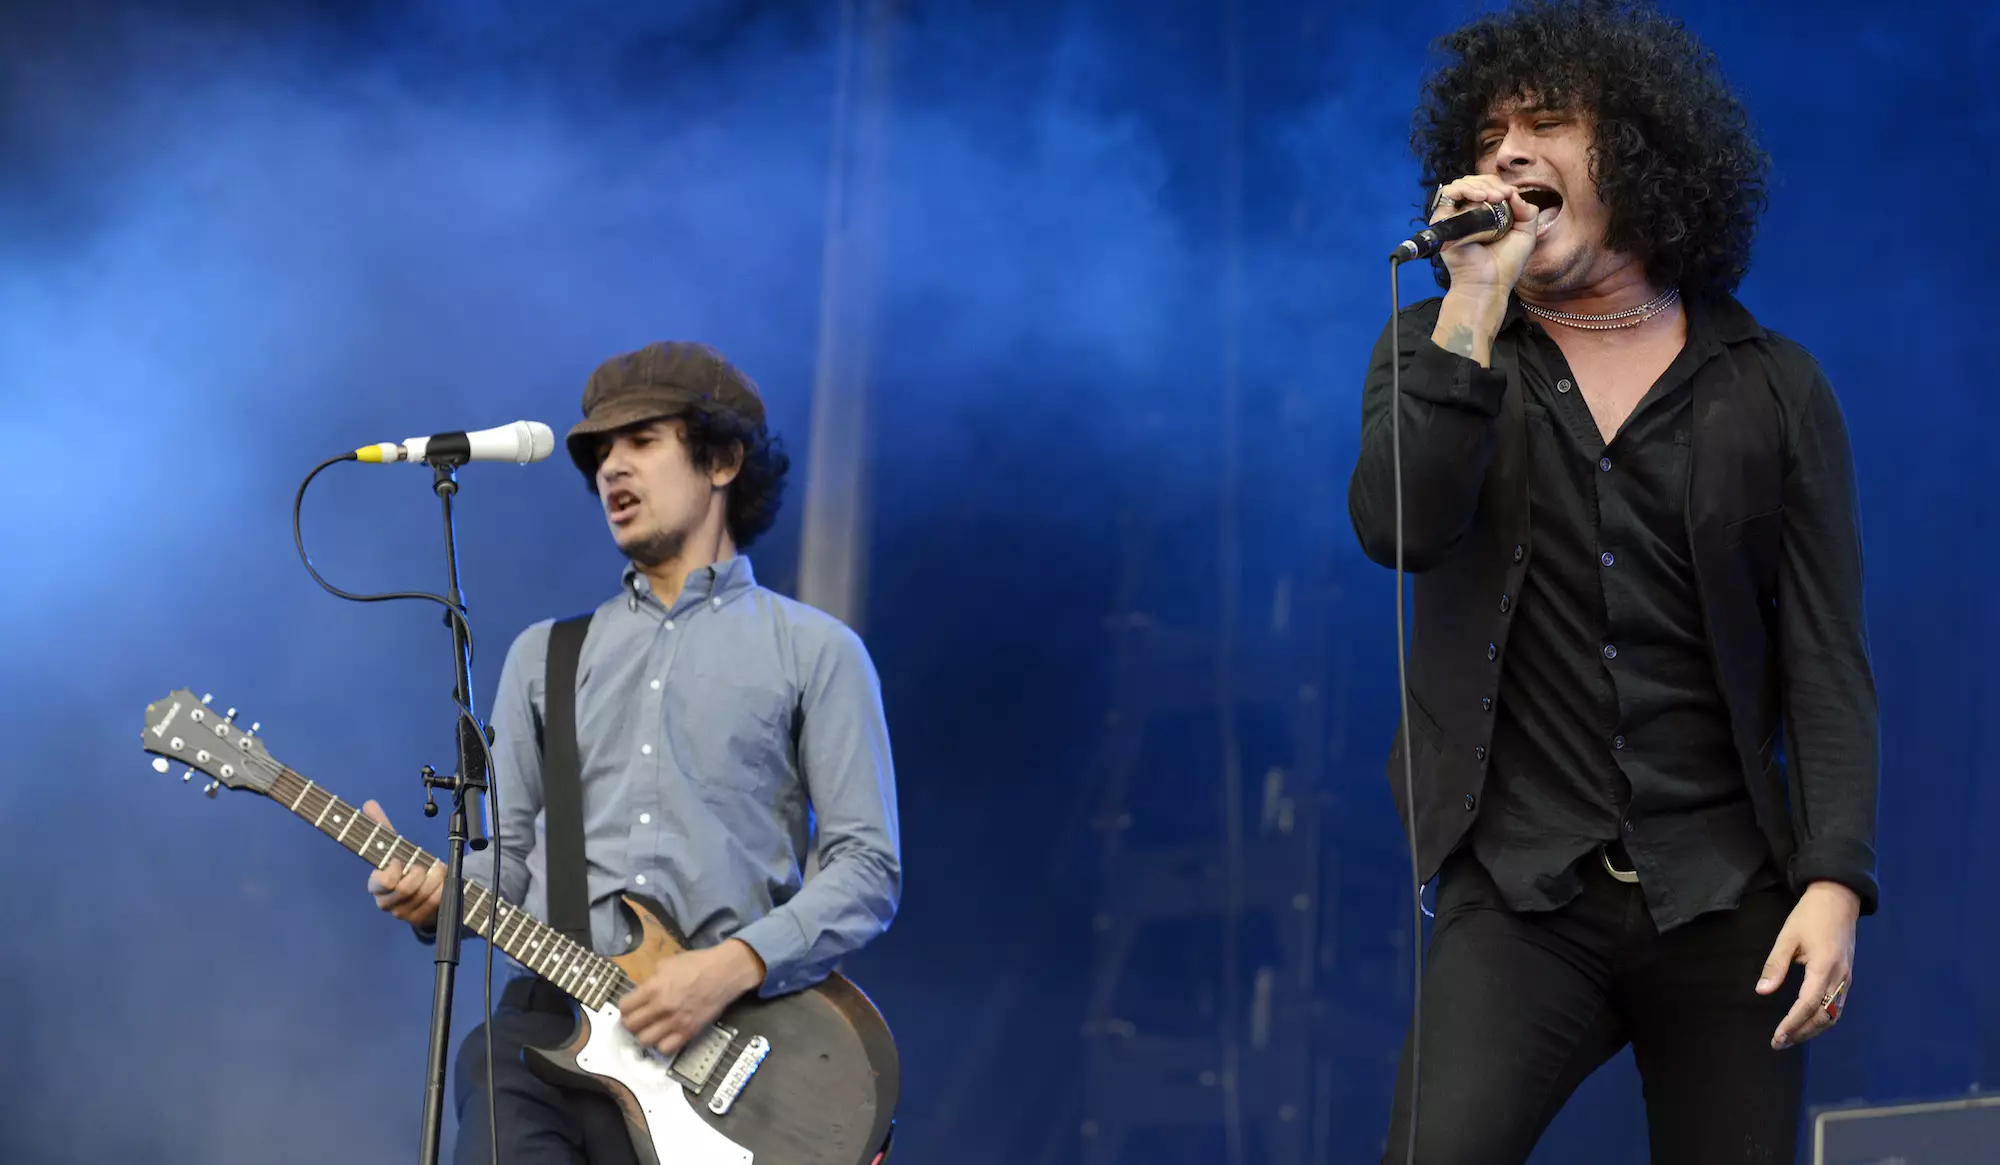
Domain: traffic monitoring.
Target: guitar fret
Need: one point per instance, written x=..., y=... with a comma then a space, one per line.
x=346, y=822
x=478, y=909
x=324, y=810
x=370, y=840
x=301, y=796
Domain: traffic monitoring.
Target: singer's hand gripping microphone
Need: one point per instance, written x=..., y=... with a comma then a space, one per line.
x=1494, y=218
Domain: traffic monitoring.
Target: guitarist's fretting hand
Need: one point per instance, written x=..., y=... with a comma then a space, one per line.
x=410, y=895
x=687, y=992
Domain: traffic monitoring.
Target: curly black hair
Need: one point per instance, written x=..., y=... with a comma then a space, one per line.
x=717, y=437
x=1674, y=158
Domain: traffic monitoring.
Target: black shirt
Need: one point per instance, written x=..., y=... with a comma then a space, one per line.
x=1771, y=522
x=1609, y=724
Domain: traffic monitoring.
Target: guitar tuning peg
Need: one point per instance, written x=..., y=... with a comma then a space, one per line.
x=186, y=776
x=207, y=696
x=209, y=789
x=229, y=716
x=160, y=764
x=254, y=726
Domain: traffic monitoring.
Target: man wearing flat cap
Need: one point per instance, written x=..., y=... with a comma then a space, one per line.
x=717, y=724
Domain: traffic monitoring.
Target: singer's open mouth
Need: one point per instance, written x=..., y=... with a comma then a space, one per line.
x=1548, y=207
x=621, y=504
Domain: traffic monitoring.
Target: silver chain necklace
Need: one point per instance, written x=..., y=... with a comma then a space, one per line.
x=1631, y=317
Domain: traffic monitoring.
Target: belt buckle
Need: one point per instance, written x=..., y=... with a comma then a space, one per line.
x=1604, y=855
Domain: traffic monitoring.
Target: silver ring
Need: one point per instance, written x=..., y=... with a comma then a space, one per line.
x=1438, y=199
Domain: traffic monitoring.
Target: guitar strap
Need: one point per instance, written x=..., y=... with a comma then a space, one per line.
x=562, y=783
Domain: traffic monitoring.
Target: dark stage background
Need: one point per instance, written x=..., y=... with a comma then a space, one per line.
x=1108, y=239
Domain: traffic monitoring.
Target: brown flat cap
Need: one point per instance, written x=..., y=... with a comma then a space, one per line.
x=659, y=380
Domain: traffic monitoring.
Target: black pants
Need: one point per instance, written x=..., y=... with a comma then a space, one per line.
x=1520, y=1008
x=539, y=1124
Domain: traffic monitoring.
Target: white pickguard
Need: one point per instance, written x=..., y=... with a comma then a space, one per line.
x=680, y=1136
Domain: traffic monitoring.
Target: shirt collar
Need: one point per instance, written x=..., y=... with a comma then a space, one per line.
x=1722, y=319
x=718, y=583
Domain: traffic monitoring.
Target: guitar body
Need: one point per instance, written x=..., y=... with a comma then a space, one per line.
x=823, y=1094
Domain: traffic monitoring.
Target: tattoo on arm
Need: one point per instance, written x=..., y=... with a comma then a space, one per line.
x=1459, y=341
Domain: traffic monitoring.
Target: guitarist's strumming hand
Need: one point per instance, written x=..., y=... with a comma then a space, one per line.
x=687, y=992
x=410, y=895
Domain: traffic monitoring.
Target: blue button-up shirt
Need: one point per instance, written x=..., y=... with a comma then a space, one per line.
x=714, y=734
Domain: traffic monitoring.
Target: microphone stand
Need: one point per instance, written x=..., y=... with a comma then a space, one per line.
x=471, y=775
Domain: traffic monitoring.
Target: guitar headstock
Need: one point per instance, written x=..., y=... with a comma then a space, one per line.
x=181, y=728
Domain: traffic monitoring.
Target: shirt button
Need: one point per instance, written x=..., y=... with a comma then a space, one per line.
x=656, y=685
x=1518, y=553
x=1505, y=603
x=1606, y=558
x=1469, y=802
x=1492, y=651
x=645, y=750
x=640, y=880
x=1604, y=463
x=670, y=624
x=1478, y=752
x=1618, y=742
x=1611, y=651
x=715, y=604
x=1564, y=386
x=1485, y=703
x=645, y=818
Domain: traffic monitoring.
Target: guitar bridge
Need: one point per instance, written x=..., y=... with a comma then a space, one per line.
x=696, y=1062
x=739, y=1074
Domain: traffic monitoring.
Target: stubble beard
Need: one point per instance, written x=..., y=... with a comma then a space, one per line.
x=654, y=549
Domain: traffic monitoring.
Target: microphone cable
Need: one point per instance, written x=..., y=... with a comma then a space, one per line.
x=1403, y=694
x=455, y=617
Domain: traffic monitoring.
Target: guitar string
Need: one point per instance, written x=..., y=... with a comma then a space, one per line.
x=618, y=983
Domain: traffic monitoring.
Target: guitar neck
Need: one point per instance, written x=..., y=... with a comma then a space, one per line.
x=588, y=977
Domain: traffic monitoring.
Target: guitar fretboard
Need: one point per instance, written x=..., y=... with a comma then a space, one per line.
x=588, y=977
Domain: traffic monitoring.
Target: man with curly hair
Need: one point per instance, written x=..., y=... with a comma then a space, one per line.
x=1642, y=729
x=717, y=723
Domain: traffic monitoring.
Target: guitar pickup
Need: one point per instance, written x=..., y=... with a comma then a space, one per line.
x=697, y=1061
x=739, y=1074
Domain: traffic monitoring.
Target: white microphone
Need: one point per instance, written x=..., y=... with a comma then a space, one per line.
x=520, y=442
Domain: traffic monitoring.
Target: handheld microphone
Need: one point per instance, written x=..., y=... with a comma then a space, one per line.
x=1486, y=218
x=520, y=442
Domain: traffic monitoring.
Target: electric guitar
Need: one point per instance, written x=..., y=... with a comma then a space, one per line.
x=808, y=1078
